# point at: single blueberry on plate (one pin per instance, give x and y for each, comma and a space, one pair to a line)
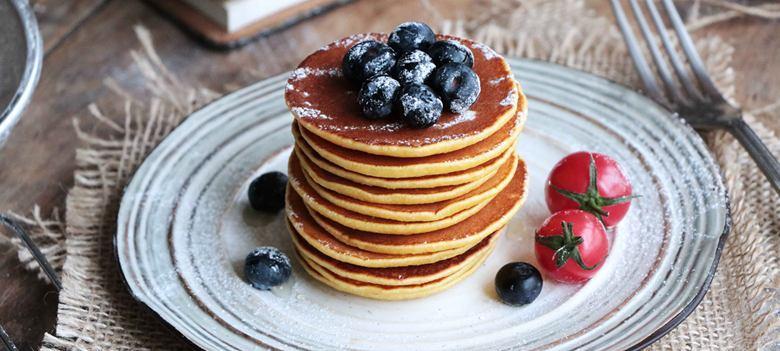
367, 59
410, 36
457, 85
413, 67
377, 96
266, 192
450, 51
266, 267
420, 107
518, 283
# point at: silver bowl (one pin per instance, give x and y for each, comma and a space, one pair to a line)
21, 54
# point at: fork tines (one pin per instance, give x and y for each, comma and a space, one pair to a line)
692, 89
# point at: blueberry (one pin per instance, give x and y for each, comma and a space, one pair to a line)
413, 67
457, 85
266, 192
367, 59
450, 51
266, 267
420, 107
377, 96
518, 283
410, 36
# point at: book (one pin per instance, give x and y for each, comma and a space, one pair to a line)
228, 24
233, 15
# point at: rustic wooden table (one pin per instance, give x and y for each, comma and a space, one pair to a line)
87, 41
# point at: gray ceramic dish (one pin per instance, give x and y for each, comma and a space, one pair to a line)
184, 228
21, 53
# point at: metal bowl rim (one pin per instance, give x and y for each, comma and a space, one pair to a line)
32, 70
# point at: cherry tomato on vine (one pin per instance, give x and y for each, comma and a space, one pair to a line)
571, 246
590, 182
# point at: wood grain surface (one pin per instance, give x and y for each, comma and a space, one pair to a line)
88, 41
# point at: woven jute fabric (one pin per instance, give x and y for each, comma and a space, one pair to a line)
740, 312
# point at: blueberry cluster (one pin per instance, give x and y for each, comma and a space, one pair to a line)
413, 74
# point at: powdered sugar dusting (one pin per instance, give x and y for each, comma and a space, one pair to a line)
348, 41
303, 72
495, 82
309, 113
432, 140
487, 51
384, 127
510, 98
469, 115
273, 253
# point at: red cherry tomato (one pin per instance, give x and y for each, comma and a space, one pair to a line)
590, 182
571, 246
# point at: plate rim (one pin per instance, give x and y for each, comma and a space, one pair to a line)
660, 332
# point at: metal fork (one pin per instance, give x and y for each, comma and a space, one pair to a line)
693, 96
21, 233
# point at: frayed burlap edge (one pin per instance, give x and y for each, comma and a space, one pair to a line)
95, 309
96, 312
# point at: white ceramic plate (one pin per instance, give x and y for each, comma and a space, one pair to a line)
185, 226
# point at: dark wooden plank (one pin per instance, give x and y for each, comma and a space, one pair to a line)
28, 305
57, 18
755, 61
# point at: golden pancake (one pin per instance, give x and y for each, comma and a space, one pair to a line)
408, 275
300, 222
324, 102
359, 221
425, 182
467, 233
423, 212
395, 167
389, 292
381, 195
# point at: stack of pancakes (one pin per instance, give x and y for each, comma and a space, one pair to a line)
382, 210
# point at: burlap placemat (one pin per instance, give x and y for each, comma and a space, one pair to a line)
740, 312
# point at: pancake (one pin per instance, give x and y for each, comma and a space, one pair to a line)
359, 221
467, 233
408, 275
324, 102
423, 212
395, 167
379, 195
300, 222
417, 183
388, 292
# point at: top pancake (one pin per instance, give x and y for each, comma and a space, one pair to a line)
325, 103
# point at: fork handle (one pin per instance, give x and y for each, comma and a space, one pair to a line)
757, 150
